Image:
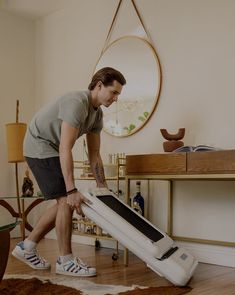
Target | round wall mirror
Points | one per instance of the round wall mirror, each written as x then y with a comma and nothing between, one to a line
137,60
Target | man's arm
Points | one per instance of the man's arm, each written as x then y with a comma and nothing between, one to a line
69,135
93,144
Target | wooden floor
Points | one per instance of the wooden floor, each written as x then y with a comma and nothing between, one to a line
208,279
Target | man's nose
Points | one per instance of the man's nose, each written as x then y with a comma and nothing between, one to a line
115,98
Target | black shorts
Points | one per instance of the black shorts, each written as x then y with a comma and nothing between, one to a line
49,177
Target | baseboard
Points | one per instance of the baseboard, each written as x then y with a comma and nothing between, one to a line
224,256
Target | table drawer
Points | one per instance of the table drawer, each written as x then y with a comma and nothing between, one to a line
156,164
211,162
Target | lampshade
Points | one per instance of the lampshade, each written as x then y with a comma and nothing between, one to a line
15,136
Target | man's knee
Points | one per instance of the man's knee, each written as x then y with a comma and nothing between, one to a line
62,204
62,201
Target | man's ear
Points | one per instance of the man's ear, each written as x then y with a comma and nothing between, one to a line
99,84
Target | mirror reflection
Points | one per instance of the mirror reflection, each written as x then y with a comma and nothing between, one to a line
136,59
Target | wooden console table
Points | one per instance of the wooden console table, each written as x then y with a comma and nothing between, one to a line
210,166
23,217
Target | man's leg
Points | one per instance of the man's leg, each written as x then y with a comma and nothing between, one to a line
45,224
66,263
64,226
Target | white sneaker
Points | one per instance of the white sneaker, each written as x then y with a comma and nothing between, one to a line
32,258
75,267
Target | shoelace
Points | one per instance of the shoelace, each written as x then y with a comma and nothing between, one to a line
80,262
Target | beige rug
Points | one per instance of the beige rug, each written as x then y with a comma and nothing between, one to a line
28,285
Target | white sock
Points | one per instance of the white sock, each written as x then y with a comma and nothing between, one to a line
66,258
29,245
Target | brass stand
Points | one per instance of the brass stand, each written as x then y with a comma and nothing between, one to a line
15,135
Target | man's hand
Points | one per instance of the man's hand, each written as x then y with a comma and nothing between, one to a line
75,200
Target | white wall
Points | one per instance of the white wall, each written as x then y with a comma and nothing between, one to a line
17,67
196,46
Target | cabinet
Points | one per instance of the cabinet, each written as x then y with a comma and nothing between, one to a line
85,227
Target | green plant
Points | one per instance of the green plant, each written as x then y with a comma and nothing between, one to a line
144,116
130,128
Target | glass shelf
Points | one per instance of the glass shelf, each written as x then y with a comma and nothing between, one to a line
10,226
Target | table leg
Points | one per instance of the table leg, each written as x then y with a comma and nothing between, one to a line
10,209
126,251
23,218
170,208
126,257
147,200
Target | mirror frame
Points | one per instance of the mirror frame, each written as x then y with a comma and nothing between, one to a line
159,80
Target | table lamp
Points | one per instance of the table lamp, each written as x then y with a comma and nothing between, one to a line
15,135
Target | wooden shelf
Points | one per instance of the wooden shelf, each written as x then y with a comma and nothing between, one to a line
114,169
107,178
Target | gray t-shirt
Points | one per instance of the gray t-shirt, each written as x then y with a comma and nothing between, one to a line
42,138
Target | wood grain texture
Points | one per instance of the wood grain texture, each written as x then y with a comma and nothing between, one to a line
156,163
4,250
211,162
207,280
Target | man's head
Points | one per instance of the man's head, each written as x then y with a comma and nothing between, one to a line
106,85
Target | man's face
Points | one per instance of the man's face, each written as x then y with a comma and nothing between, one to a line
109,94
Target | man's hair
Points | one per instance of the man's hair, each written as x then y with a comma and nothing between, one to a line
107,76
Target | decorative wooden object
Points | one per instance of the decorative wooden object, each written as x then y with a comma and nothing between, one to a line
173,140
156,163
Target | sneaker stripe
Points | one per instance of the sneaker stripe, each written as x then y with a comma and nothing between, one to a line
72,270
37,263
70,266
78,269
34,260
30,257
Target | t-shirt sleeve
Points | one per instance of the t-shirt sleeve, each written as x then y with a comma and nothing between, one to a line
98,125
72,111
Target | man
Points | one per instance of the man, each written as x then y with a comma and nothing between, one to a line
48,145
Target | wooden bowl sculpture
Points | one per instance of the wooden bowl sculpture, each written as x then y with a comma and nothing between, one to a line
173,140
